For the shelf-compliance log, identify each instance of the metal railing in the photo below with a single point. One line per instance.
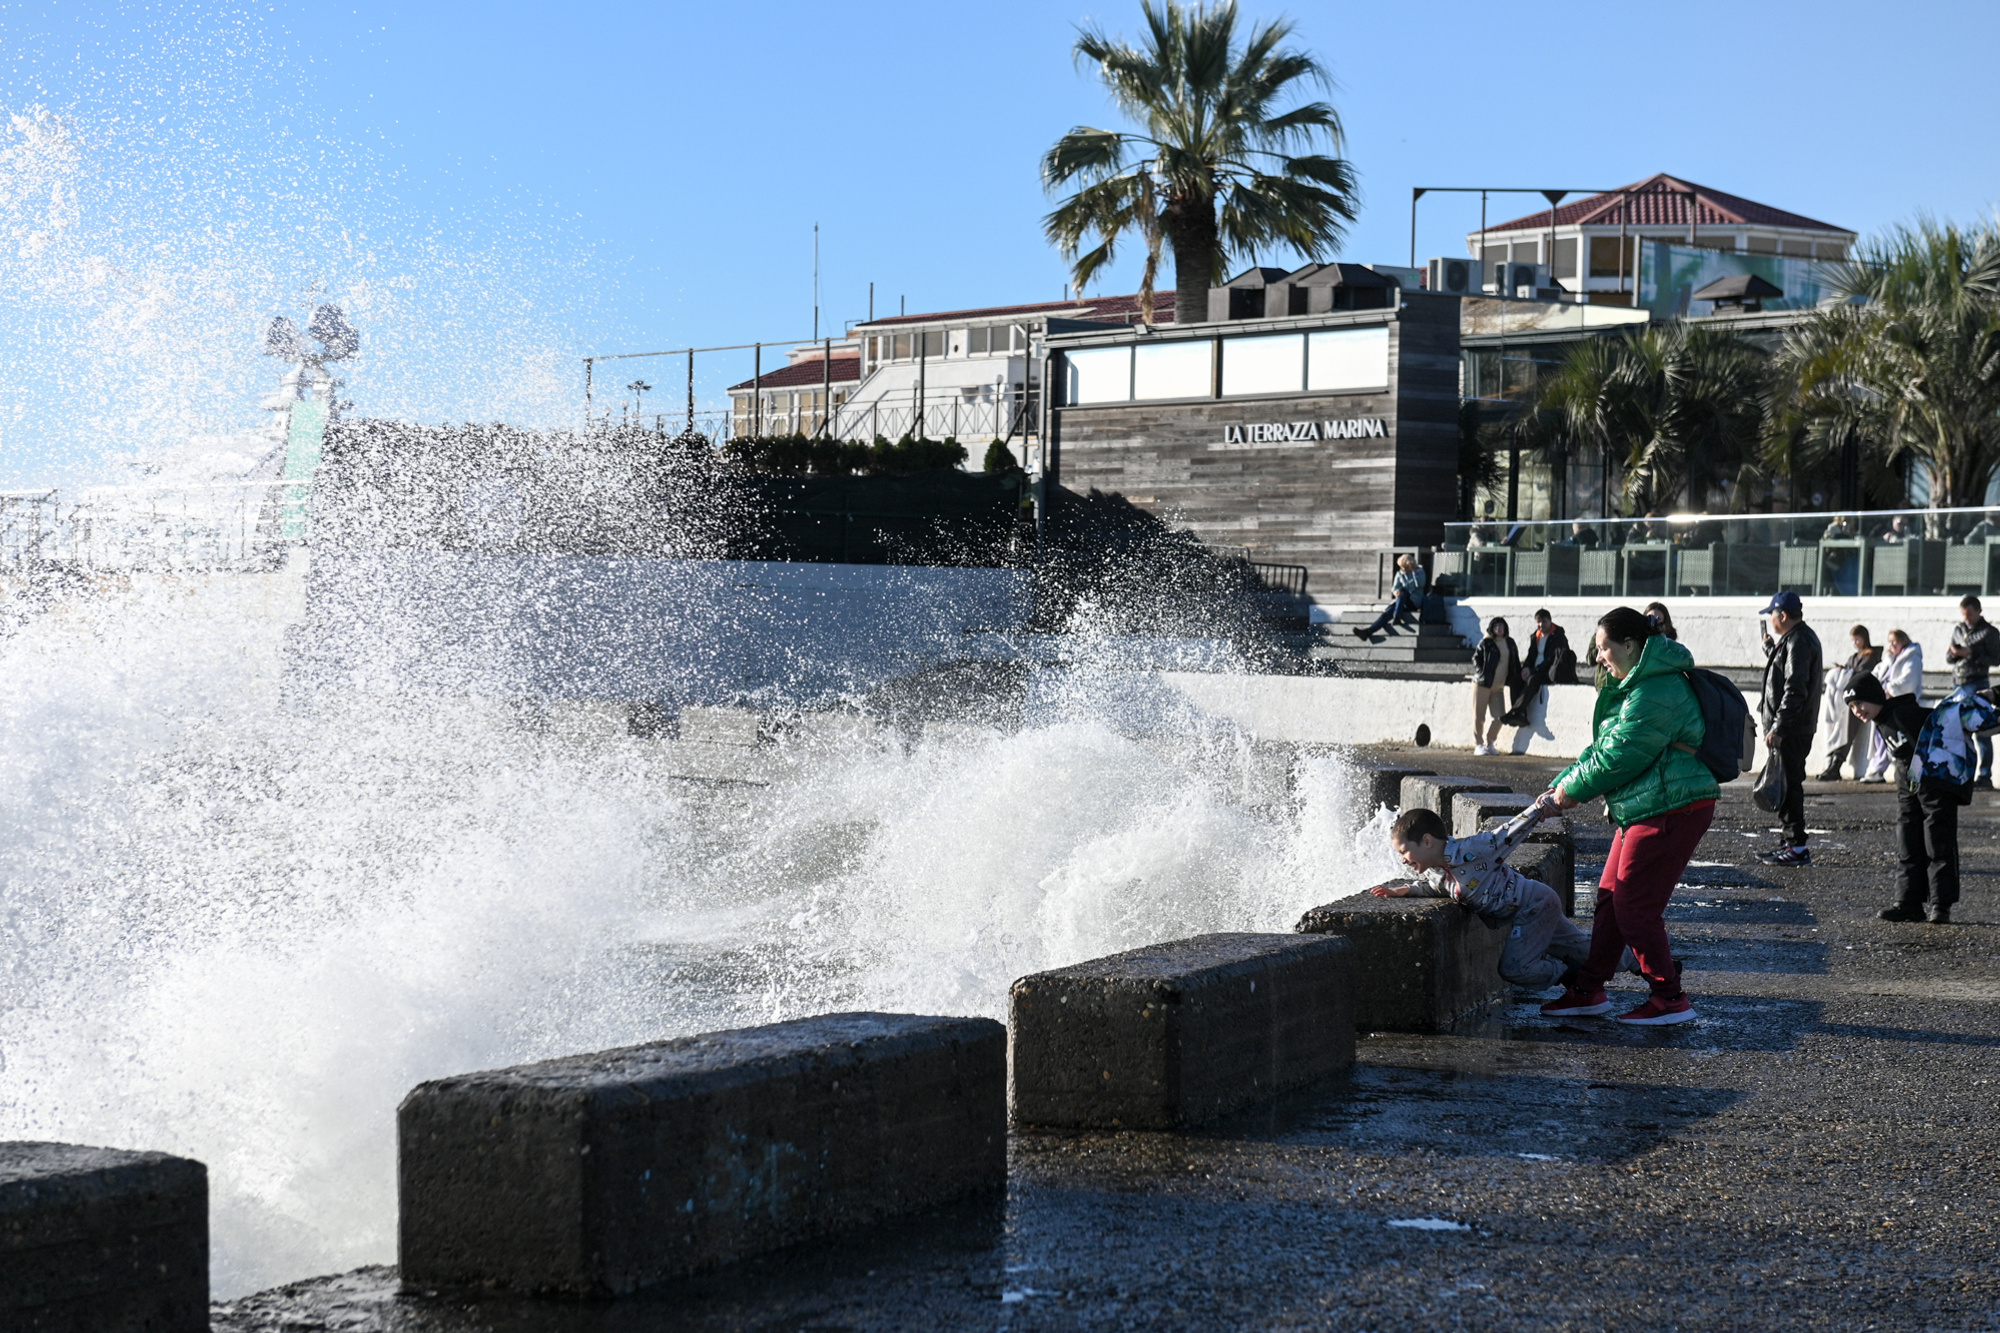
(1885, 552)
(218, 525)
(933, 415)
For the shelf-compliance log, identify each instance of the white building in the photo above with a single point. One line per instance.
(1590, 245)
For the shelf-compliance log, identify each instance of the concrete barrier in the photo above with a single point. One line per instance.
(97, 1240)
(1471, 809)
(1436, 792)
(1175, 1034)
(1419, 963)
(1383, 784)
(597, 1174)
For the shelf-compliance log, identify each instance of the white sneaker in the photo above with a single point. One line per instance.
(1483, 748)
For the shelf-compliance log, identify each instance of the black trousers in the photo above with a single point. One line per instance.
(1792, 751)
(1927, 838)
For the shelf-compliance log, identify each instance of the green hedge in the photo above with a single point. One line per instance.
(816, 456)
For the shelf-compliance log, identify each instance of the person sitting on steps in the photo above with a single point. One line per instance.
(1406, 599)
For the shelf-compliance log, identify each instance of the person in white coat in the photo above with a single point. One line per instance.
(1901, 673)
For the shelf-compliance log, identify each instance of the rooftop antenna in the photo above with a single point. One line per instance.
(815, 282)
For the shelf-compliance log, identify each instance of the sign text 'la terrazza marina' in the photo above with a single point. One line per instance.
(1264, 434)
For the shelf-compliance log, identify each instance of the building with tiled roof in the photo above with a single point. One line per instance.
(1590, 245)
(793, 399)
(965, 374)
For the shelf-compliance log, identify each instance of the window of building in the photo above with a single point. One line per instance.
(1763, 245)
(902, 352)
(1172, 369)
(979, 341)
(1491, 255)
(1343, 360)
(1264, 365)
(1564, 265)
(1604, 257)
(1832, 249)
(1795, 248)
(1527, 252)
(1097, 375)
(934, 343)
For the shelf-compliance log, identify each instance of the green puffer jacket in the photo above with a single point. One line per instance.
(1632, 760)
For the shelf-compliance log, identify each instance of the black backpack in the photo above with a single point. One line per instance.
(1725, 720)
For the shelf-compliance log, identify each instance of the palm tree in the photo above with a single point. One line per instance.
(1678, 410)
(1909, 368)
(1216, 169)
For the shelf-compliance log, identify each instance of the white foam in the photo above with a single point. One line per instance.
(242, 932)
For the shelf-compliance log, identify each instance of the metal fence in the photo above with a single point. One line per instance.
(223, 525)
(938, 415)
(1894, 552)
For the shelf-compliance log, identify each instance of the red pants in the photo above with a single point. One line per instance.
(1646, 861)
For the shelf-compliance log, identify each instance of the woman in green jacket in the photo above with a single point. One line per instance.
(1642, 760)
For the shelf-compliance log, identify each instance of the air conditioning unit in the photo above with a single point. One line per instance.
(1454, 276)
(1520, 281)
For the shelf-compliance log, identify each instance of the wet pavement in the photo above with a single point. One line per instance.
(1819, 1150)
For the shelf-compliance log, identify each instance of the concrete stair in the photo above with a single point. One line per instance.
(1432, 641)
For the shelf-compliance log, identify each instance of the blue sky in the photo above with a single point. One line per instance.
(502, 188)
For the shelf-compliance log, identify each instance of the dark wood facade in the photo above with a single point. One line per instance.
(1240, 471)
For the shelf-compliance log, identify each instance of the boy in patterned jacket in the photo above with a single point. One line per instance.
(1543, 947)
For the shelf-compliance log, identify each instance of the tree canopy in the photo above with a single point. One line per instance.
(1219, 166)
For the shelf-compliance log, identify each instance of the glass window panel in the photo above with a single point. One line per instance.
(1341, 359)
(1098, 375)
(1172, 370)
(1264, 365)
(1564, 265)
(1527, 252)
(934, 343)
(902, 347)
(977, 341)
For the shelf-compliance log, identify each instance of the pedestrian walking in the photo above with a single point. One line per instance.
(1933, 749)
(1549, 662)
(1786, 714)
(1974, 652)
(1646, 732)
(1850, 734)
(1902, 675)
(1496, 664)
(1406, 597)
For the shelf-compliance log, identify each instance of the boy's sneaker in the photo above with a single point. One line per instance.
(1656, 1012)
(1902, 912)
(1573, 1002)
(1940, 916)
(1786, 856)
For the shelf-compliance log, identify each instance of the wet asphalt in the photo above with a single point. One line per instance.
(1818, 1151)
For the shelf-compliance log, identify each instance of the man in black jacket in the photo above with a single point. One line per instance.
(1926, 816)
(1974, 652)
(1787, 712)
(1549, 662)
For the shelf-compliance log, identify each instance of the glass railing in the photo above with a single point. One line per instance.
(1887, 552)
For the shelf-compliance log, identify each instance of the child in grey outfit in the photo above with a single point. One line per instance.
(1544, 947)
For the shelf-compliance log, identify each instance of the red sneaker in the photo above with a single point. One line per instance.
(1574, 1001)
(1656, 1012)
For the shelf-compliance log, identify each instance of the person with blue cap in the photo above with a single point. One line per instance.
(1787, 714)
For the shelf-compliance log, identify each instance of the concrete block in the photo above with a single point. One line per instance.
(1431, 791)
(98, 1240)
(1554, 865)
(1471, 809)
(1419, 963)
(1178, 1033)
(1382, 784)
(597, 1174)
